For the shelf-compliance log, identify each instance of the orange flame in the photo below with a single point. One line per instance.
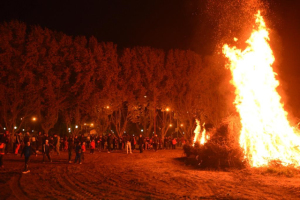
(266, 134)
(197, 131)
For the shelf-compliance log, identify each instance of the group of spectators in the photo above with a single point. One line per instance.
(28, 145)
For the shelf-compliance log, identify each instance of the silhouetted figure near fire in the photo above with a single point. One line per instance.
(141, 142)
(46, 151)
(27, 151)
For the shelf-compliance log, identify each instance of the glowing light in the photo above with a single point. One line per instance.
(34, 119)
(266, 134)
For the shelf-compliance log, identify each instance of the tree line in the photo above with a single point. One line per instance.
(72, 80)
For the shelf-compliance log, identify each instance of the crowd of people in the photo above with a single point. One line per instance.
(27, 145)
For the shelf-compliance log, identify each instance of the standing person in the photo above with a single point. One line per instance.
(109, 141)
(78, 153)
(70, 147)
(133, 143)
(174, 142)
(92, 150)
(83, 149)
(56, 143)
(66, 143)
(39, 143)
(141, 142)
(27, 151)
(46, 151)
(27, 138)
(17, 142)
(128, 143)
(165, 142)
(2, 150)
(120, 143)
(6, 141)
(155, 142)
(33, 141)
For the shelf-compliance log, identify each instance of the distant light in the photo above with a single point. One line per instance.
(92, 124)
(76, 126)
(69, 129)
(32, 130)
(85, 124)
(181, 125)
(167, 109)
(15, 127)
(170, 125)
(107, 107)
(133, 134)
(142, 130)
(124, 131)
(21, 118)
(183, 133)
(145, 96)
(23, 129)
(4, 128)
(34, 119)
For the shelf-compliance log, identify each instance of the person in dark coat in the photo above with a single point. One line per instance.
(109, 141)
(39, 143)
(46, 151)
(155, 142)
(27, 151)
(78, 153)
(141, 142)
(70, 147)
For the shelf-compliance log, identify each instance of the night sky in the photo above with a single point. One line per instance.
(158, 23)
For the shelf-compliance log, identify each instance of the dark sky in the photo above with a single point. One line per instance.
(157, 23)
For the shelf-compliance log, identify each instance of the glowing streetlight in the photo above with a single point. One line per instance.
(167, 109)
(92, 124)
(142, 130)
(181, 125)
(34, 119)
(107, 107)
(4, 128)
(15, 127)
(170, 125)
(84, 124)
(76, 126)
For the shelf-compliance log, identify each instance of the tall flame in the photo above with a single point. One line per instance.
(197, 131)
(266, 133)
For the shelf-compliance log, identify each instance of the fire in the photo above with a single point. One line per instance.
(266, 133)
(197, 131)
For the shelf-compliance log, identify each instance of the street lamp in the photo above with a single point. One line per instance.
(34, 119)
(170, 125)
(76, 126)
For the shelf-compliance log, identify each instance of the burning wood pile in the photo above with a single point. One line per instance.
(220, 149)
(265, 134)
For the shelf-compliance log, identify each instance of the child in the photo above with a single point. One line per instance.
(78, 153)
(83, 150)
(92, 146)
(27, 151)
